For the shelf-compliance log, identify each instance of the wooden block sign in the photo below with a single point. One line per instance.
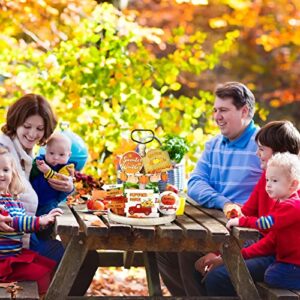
(131, 162)
(157, 161)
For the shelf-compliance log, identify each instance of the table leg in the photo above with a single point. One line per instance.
(152, 274)
(68, 268)
(85, 274)
(239, 274)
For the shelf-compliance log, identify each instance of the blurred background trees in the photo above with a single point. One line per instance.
(265, 55)
(152, 65)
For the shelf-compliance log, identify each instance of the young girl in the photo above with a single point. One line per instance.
(17, 263)
(274, 137)
(283, 179)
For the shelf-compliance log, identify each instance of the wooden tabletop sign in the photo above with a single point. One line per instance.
(131, 163)
(157, 161)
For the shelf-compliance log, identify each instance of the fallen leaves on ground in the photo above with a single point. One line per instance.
(114, 281)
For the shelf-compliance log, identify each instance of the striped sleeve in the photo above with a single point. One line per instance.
(26, 223)
(49, 174)
(265, 222)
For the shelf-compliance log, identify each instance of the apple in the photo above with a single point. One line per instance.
(95, 205)
(172, 188)
(233, 213)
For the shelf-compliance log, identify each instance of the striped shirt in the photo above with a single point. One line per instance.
(226, 171)
(11, 242)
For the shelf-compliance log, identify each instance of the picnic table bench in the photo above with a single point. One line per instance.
(198, 229)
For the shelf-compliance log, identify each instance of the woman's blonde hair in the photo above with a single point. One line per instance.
(16, 186)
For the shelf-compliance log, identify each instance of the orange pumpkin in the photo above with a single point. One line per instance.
(123, 176)
(164, 176)
(143, 179)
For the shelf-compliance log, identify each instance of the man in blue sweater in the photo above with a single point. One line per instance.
(226, 172)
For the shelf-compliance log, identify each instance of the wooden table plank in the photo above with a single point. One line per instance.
(216, 230)
(241, 233)
(67, 223)
(190, 228)
(117, 228)
(170, 230)
(91, 224)
(143, 231)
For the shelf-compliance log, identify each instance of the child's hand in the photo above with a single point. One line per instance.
(56, 210)
(42, 166)
(232, 222)
(50, 217)
(5, 222)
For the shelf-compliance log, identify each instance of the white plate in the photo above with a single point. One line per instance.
(141, 221)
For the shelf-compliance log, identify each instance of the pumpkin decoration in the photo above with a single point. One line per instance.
(164, 176)
(155, 177)
(123, 176)
(132, 179)
(143, 179)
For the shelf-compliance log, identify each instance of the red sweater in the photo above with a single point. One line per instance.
(258, 204)
(284, 237)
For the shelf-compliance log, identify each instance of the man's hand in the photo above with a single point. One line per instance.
(42, 166)
(232, 222)
(4, 223)
(232, 210)
(50, 217)
(208, 262)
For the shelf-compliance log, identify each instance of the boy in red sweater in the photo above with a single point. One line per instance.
(282, 183)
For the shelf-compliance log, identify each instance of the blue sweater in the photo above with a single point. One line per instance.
(226, 171)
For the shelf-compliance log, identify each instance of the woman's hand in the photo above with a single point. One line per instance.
(4, 223)
(208, 262)
(63, 184)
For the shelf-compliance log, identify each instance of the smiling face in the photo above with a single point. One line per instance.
(231, 121)
(31, 132)
(278, 183)
(5, 173)
(264, 153)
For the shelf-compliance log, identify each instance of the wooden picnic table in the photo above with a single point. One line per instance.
(198, 229)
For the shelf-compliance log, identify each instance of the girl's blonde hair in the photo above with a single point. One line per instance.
(16, 186)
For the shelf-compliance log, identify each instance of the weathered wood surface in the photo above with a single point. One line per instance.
(268, 293)
(152, 274)
(67, 223)
(151, 298)
(239, 274)
(241, 233)
(197, 230)
(68, 268)
(29, 291)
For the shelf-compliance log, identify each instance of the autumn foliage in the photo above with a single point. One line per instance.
(95, 66)
(152, 66)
